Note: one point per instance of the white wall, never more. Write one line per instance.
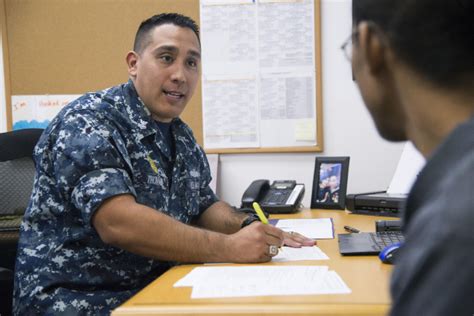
(3, 113)
(348, 128)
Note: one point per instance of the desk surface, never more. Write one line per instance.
(366, 276)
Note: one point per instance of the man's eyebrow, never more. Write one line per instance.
(195, 54)
(174, 49)
(166, 48)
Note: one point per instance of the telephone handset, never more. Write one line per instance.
(283, 196)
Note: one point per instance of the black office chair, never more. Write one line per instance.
(17, 172)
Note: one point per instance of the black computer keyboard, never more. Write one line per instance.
(384, 239)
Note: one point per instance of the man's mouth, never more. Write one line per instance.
(174, 94)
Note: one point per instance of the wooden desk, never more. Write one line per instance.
(366, 276)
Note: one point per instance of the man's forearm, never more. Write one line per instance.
(122, 222)
(221, 217)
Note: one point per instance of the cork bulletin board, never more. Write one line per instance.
(76, 46)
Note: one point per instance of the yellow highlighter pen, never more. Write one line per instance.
(259, 212)
(261, 216)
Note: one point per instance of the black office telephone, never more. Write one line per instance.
(283, 196)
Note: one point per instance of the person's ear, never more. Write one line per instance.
(372, 47)
(132, 60)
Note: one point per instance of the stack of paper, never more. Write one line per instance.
(317, 228)
(244, 281)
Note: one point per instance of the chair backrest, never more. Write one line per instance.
(17, 169)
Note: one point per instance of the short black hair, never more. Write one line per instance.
(433, 37)
(142, 38)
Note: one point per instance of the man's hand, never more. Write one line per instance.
(252, 243)
(296, 240)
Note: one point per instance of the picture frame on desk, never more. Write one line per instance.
(330, 183)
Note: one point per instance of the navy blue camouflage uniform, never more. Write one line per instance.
(101, 145)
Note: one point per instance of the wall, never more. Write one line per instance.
(3, 114)
(348, 128)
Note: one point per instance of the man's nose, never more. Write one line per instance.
(178, 75)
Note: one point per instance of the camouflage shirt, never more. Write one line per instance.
(101, 145)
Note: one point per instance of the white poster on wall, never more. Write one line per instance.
(258, 73)
(36, 111)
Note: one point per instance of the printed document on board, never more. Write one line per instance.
(258, 73)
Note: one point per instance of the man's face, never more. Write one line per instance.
(333, 183)
(166, 72)
(372, 70)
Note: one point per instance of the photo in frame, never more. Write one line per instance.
(330, 183)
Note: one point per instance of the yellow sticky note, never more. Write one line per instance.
(305, 130)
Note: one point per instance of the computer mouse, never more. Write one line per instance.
(389, 253)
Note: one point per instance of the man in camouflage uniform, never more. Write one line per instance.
(122, 188)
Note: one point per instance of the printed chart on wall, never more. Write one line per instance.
(36, 111)
(258, 74)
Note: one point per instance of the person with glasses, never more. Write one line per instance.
(413, 62)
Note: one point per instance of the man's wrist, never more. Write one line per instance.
(249, 220)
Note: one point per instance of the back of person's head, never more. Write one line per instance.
(142, 38)
(433, 37)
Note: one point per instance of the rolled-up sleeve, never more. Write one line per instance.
(90, 165)
(207, 197)
(96, 186)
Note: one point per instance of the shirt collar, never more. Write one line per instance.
(139, 115)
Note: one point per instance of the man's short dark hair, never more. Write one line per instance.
(142, 38)
(433, 37)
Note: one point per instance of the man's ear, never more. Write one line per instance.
(372, 47)
(132, 60)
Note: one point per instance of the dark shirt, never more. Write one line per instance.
(434, 271)
(165, 129)
(101, 145)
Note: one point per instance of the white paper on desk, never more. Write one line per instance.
(298, 254)
(316, 228)
(219, 282)
(247, 274)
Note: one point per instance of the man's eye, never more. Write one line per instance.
(166, 58)
(192, 63)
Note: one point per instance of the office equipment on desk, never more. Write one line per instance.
(376, 203)
(392, 201)
(283, 196)
(387, 233)
(247, 281)
(315, 228)
(367, 243)
(388, 226)
(389, 254)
